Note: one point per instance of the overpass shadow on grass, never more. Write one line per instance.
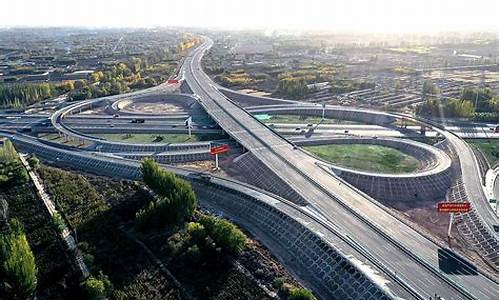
(451, 263)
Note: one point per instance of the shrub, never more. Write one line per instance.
(278, 282)
(34, 162)
(301, 294)
(195, 242)
(58, 222)
(193, 254)
(196, 231)
(98, 287)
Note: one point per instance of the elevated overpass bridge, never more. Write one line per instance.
(368, 223)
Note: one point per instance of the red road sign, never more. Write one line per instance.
(453, 207)
(219, 149)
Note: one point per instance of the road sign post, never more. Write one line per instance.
(452, 208)
(449, 228)
(216, 150)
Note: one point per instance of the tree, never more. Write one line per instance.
(17, 262)
(428, 88)
(493, 102)
(11, 168)
(8, 152)
(97, 76)
(66, 86)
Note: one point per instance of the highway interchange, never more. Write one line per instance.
(411, 260)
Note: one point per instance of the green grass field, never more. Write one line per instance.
(296, 119)
(371, 158)
(489, 147)
(138, 138)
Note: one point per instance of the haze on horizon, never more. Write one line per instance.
(392, 16)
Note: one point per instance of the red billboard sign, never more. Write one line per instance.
(219, 149)
(453, 207)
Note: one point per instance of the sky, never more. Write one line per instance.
(342, 15)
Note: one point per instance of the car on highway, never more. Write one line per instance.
(137, 121)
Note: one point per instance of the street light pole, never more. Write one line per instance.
(189, 125)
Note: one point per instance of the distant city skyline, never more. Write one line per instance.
(392, 16)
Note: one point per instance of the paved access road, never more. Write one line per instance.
(397, 245)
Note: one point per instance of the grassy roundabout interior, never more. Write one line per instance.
(369, 158)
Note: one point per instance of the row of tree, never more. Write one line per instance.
(448, 108)
(483, 99)
(21, 95)
(176, 199)
(474, 103)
